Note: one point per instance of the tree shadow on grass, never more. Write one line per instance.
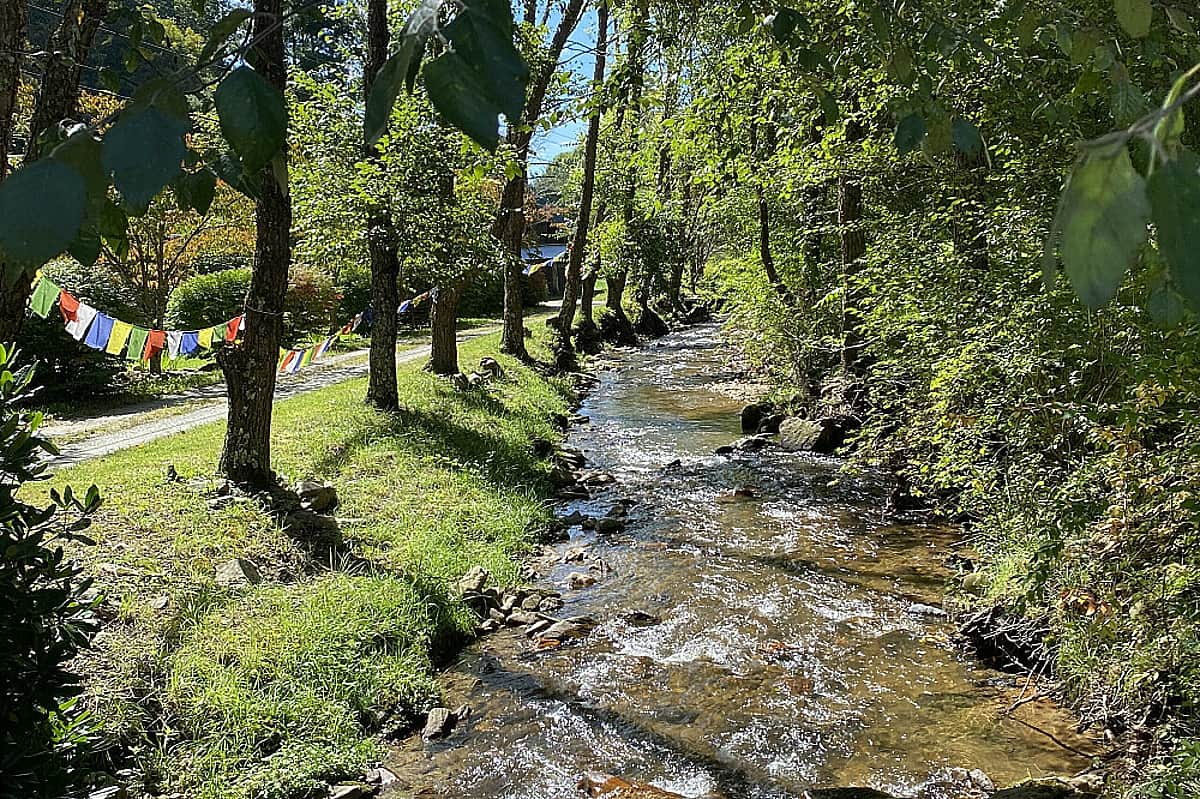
(422, 432)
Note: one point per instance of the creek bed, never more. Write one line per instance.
(762, 629)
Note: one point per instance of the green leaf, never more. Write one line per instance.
(143, 152)
(112, 223)
(42, 207)
(221, 31)
(485, 45)
(1027, 28)
(1135, 16)
(1180, 20)
(966, 138)
(1165, 306)
(1174, 191)
(910, 133)
(86, 247)
(253, 117)
(231, 171)
(456, 94)
(195, 190)
(1170, 128)
(385, 89)
(83, 152)
(783, 25)
(1103, 224)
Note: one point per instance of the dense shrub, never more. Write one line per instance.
(312, 304)
(206, 300)
(354, 289)
(44, 618)
(201, 301)
(209, 263)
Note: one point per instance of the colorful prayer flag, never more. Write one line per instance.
(189, 344)
(154, 344)
(68, 305)
(287, 360)
(232, 327)
(118, 337)
(44, 297)
(137, 343)
(204, 338)
(404, 308)
(78, 326)
(174, 337)
(101, 330)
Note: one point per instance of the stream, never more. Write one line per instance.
(763, 630)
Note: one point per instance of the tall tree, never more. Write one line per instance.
(854, 250)
(250, 369)
(381, 241)
(579, 242)
(619, 327)
(57, 100)
(509, 228)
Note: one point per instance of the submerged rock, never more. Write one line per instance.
(595, 784)
(753, 415)
(440, 723)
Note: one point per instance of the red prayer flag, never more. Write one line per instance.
(231, 329)
(68, 305)
(287, 359)
(155, 341)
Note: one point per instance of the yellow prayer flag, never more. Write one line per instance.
(206, 337)
(118, 337)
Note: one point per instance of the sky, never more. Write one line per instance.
(581, 62)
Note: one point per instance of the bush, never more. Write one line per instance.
(205, 300)
(312, 304)
(354, 287)
(211, 263)
(66, 368)
(44, 619)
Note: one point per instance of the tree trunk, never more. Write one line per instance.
(385, 272)
(764, 238)
(58, 98)
(250, 369)
(566, 314)
(854, 249)
(638, 38)
(14, 21)
(443, 352)
(381, 243)
(509, 228)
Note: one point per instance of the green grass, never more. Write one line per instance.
(271, 690)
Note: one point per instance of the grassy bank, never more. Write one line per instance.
(269, 690)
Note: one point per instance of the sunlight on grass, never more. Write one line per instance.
(272, 689)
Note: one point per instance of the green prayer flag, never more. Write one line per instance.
(45, 294)
(137, 343)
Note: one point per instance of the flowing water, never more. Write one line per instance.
(763, 629)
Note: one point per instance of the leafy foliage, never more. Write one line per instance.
(44, 612)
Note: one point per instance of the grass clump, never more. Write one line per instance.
(274, 689)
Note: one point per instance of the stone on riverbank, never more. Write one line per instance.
(823, 436)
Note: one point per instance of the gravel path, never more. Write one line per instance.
(100, 435)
